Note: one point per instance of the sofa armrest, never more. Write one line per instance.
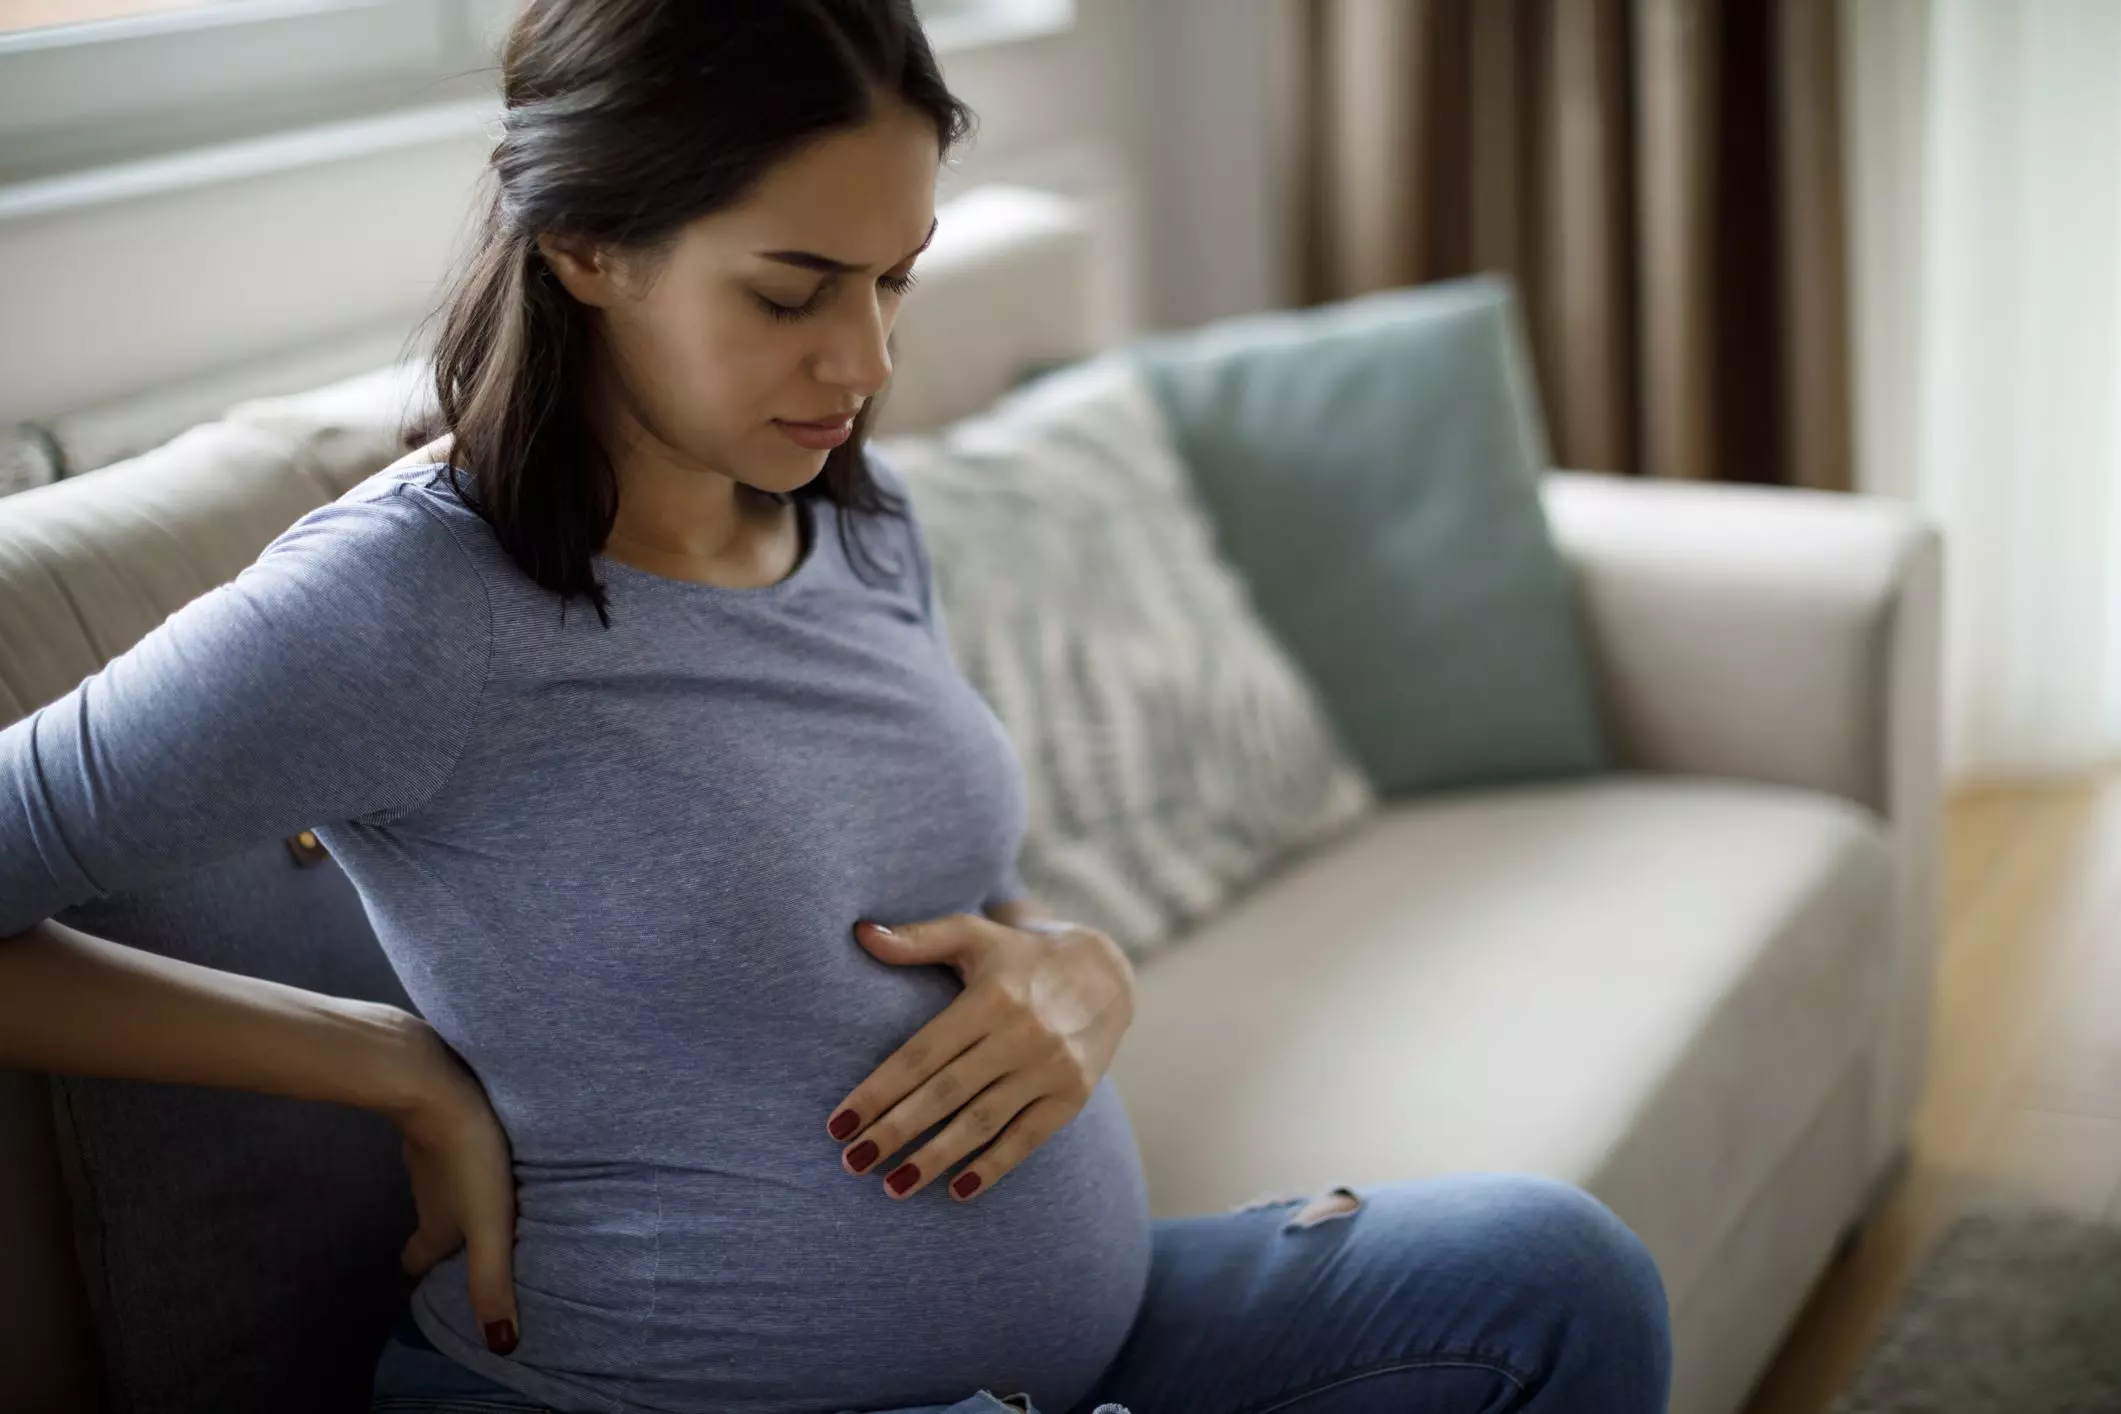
(1788, 637)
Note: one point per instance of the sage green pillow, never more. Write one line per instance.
(1372, 468)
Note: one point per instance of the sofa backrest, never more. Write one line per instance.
(86, 568)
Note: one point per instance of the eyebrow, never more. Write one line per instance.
(811, 260)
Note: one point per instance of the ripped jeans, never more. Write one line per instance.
(1470, 1295)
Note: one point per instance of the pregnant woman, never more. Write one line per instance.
(746, 1080)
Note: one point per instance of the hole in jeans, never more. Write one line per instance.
(1339, 1201)
(1335, 1202)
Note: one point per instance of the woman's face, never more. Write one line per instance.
(771, 312)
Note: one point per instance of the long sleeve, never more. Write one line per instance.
(335, 679)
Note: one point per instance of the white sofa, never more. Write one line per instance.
(1699, 989)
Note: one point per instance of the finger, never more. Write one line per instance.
(935, 1100)
(1018, 1141)
(946, 1036)
(489, 1253)
(951, 940)
(434, 1236)
(976, 1125)
(430, 1243)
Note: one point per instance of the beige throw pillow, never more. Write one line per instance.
(1174, 752)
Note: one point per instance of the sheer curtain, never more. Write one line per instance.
(1985, 164)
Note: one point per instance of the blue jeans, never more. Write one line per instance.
(1472, 1295)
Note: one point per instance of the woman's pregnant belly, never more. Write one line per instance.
(769, 1280)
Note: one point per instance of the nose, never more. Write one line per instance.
(857, 354)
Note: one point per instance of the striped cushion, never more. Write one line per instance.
(1173, 751)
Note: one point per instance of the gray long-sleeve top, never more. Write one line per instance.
(618, 870)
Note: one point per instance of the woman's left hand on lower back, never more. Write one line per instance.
(1013, 1058)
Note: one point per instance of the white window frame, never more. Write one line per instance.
(115, 91)
(85, 95)
(968, 24)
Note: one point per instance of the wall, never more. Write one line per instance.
(1884, 91)
(1216, 211)
(1157, 112)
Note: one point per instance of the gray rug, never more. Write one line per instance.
(2013, 1313)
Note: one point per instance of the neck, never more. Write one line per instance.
(671, 506)
(680, 518)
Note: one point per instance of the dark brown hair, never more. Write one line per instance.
(623, 121)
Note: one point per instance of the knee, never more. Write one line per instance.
(1577, 1240)
(1596, 1283)
(1535, 1271)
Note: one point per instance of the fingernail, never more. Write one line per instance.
(965, 1185)
(501, 1336)
(844, 1124)
(902, 1178)
(879, 929)
(862, 1155)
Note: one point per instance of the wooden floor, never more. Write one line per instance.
(2024, 1095)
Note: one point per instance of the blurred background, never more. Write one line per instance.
(1863, 248)
(1867, 245)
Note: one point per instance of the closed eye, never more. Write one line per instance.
(896, 284)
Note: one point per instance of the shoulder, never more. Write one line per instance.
(406, 521)
(398, 550)
(366, 600)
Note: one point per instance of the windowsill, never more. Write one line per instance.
(997, 24)
(243, 159)
(411, 126)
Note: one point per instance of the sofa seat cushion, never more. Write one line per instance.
(1643, 987)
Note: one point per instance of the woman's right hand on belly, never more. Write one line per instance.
(463, 1184)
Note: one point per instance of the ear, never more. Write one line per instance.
(586, 270)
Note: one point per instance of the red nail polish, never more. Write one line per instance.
(862, 1155)
(965, 1185)
(844, 1124)
(501, 1336)
(902, 1178)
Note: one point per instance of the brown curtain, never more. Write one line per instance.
(1661, 178)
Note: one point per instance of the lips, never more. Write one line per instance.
(817, 436)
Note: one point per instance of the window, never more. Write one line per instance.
(961, 24)
(48, 14)
(86, 83)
